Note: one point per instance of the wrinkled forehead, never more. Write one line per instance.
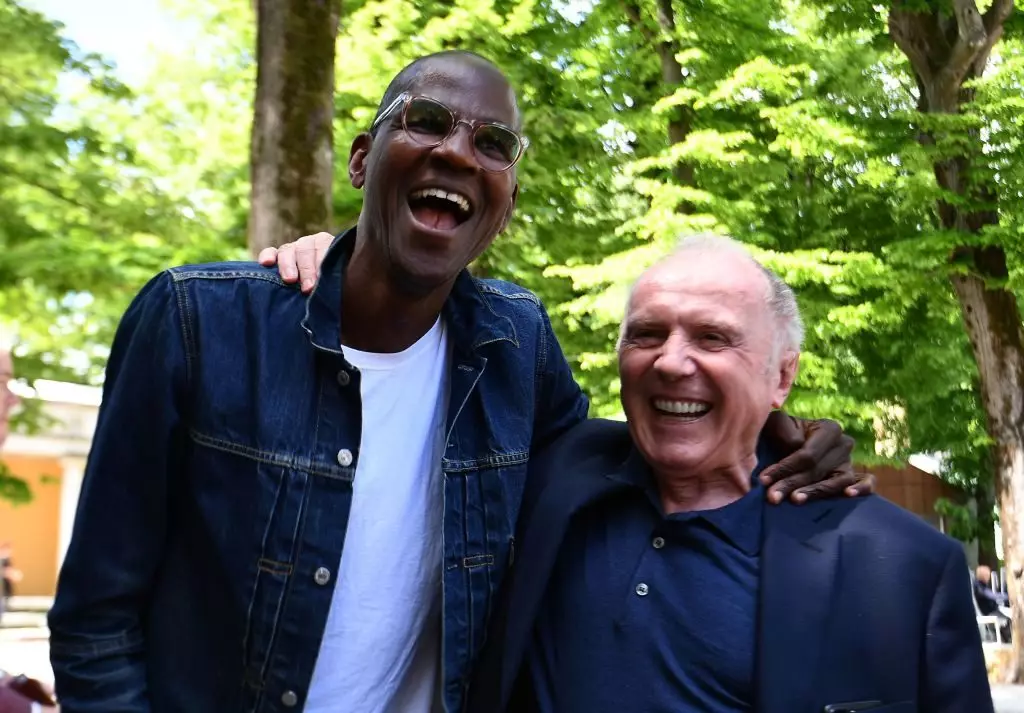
(709, 285)
(472, 91)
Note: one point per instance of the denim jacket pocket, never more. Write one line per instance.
(273, 567)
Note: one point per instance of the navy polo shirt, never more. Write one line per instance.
(647, 612)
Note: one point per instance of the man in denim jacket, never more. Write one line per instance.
(251, 435)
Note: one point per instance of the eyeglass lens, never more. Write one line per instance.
(430, 123)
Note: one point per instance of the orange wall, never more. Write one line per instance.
(33, 528)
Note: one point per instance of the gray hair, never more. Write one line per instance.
(781, 301)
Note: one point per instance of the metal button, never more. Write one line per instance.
(343, 378)
(658, 542)
(642, 589)
(345, 457)
(322, 576)
(289, 699)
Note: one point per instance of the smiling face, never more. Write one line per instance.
(430, 211)
(696, 363)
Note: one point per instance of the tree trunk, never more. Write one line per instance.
(946, 51)
(993, 323)
(292, 143)
(984, 498)
(680, 123)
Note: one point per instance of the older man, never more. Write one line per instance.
(649, 575)
(250, 435)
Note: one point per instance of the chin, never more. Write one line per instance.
(421, 282)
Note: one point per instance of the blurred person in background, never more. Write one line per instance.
(989, 601)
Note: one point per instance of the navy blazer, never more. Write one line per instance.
(859, 600)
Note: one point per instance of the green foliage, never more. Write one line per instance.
(802, 141)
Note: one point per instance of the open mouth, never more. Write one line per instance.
(683, 410)
(440, 209)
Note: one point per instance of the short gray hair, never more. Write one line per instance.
(780, 298)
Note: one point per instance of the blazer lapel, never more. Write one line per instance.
(799, 560)
(541, 541)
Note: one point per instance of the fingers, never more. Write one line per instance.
(785, 430)
(866, 484)
(838, 482)
(800, 473)
(267, 257)
(309, 253)
(299, 261)
(286, 263)
(802, 477)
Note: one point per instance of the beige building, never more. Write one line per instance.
(52, 464)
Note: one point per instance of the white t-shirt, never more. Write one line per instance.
(381, 651)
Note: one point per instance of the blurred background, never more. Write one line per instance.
(864, 151)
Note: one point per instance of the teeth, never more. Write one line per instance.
(460, 201)
(681, 407)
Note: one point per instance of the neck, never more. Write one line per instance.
(705, 490)
(376, 316)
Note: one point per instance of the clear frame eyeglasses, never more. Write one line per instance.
(430, 123)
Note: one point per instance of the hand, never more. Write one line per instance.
(818, 463)
(300, 260)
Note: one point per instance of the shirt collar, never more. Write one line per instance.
(738, 522)
(470, 318)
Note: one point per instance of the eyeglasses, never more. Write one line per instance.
(430, 123)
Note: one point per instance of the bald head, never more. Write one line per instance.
(430, 68)
(780, 299)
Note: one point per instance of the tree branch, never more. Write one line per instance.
(971, 38)
(994, 21)
(997, 15)
(908, 31)
(633, 13)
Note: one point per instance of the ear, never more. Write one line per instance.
(788, 367)
(357, 158)
(507, 218)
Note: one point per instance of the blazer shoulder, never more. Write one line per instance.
(595, 443)
(900, 529)
(592, 448)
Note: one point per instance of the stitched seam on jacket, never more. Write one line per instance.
(183, 276)
(303, 464)
(505, 459)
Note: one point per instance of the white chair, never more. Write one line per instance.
(997, 636)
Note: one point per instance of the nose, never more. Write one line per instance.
(458, 148)
(676, 360)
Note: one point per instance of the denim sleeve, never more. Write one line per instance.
(561, 402)
(97, 638)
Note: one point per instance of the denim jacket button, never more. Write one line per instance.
(289, 699)
(322, 576)
(343, 378)
(345, 457)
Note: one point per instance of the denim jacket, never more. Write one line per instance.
(214, 506)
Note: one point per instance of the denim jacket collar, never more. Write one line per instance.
(472, 322)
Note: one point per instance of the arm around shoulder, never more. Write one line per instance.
(97, 637)
(954, 675)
